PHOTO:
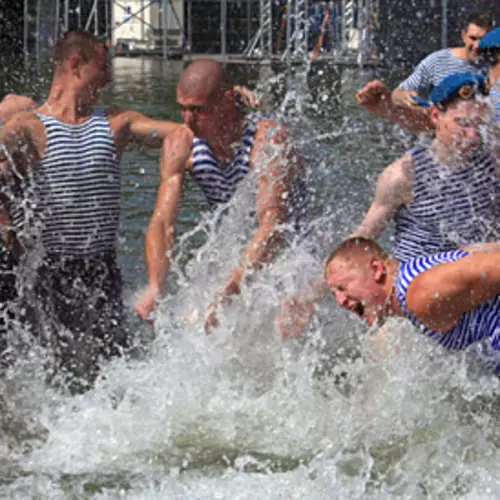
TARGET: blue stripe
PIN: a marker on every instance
(219, 184)
(77, 187)
(475, 325)
(451, 207)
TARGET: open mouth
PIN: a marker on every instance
(358, 309)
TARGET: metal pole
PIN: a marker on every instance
(106, 20)
(25, 33)
(190, 25)
(142, 20)
(223, 29)
(444, 24)
(79, 14)
(38, 8)
(289, 28)
(66, 15)
(56, 24)
(164, 22)
(96, 18)
(249, 20)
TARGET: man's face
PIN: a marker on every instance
(471, 38)
(357, 286)
(95, 75)
(458, 127)
(198, 113)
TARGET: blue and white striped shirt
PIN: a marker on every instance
(434, 68)
(219, 184)
(77, 188)
(482, 322)
(451, 206)
(495, 99)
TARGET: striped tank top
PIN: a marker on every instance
(480, 323)
(220, 183)
(495, 97)
(451, 207)
(77, 188)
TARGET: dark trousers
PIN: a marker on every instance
(8, 296)
(78, 312)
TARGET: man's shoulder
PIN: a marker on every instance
(271, 130)
(438, 57)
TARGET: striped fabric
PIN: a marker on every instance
(475, 325)
(434, 68)
(219, 184)
(77, 187)
(451, 206)
(495, 98)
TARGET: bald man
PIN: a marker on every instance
(452, 297)
(223, 147)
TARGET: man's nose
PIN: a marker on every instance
(472, 133)
(341, 298)
(188, 118)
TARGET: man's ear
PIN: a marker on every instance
(434, 115)
(74, 64)
(464, 33)
(378, 268)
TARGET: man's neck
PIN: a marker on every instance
(494, 74)
(223, 138)
(461, 53)
(63, 103)
(393, 306)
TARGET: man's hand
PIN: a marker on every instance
(296, 313)
(405, 98)
(249, 98)
(373, 95)
(147, 302)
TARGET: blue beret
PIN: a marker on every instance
(462, 85)
(491, 40)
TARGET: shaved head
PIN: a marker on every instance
(80, 43)
(356, 249)
(204, 79)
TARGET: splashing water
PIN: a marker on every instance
(338, 413)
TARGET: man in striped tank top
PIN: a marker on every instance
(441, 197)
(402, 105)
(226, 147)
(60, 184)
(452, 297)
(489, 49)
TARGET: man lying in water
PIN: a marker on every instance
(452, 297)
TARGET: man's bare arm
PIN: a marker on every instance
(133, 125)
(440, 296)
(376, 98)
(274, 184)
(394, 189)
(159, 239)
(12, 104)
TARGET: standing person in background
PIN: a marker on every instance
(401, 105)
(489, 50)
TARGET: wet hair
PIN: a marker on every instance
(354, 247)
(483, 19)
(72, 43)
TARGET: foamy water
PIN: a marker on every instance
(242, 414)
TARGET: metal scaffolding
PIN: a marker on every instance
(290, 30)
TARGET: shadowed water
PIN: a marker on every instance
(338, 413)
